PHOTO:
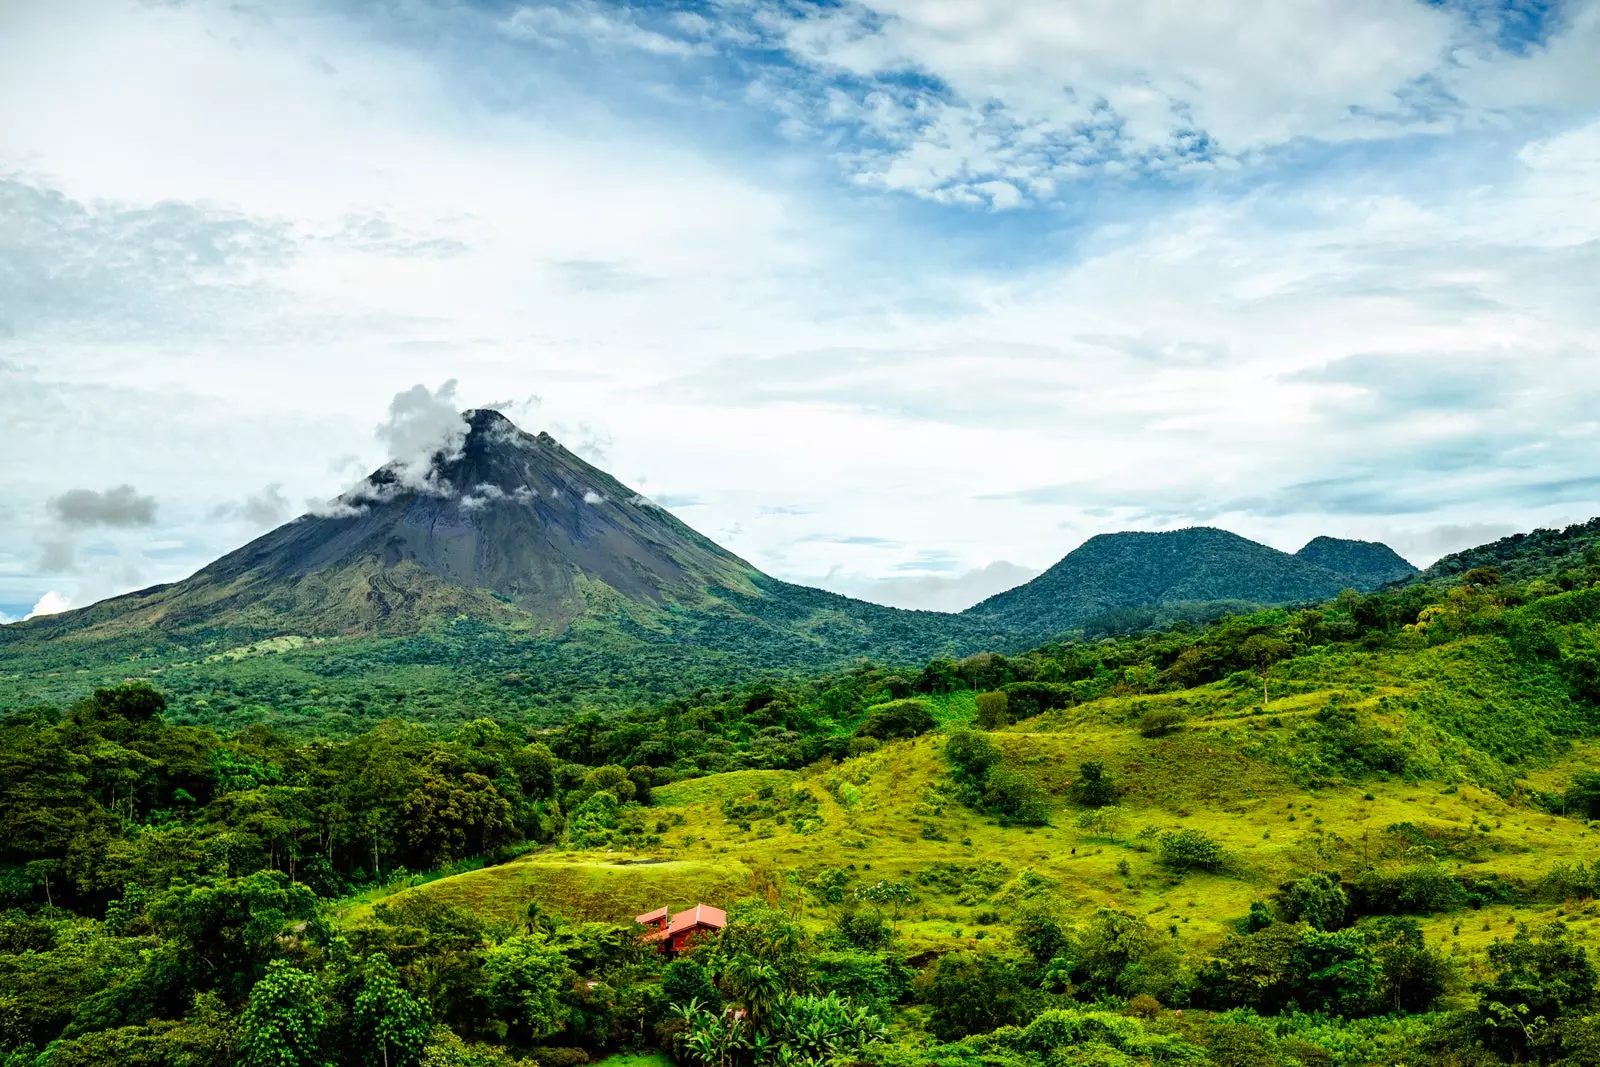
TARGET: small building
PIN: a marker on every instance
(678, 932)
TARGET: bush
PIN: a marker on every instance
(1027, 699)
(1315, 899)
(992, 711)
(1016, 796)
(862, 929)
(971, 993)
(1118, 954)
(1188, 850)
(1416, 890)
(1094, 787)
(1161, 721)
(971, 753)
(1583, 795)
(896, 719)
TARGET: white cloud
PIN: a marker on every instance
(961, 96)
(261, 510)
(423, 425)
(52, 603)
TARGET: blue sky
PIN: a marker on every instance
(905, 298)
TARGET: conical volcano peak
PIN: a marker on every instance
(488, 514)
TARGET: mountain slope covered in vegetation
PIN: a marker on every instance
(1130, 570)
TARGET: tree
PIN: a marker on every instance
(993, 711)
(1316, 899)
(894, 895)
(1414, 976)
(1583, 795)
(390, 1025)
(1264, 651)
(897, 719)
(1015, 795)
(1094, 787)
(971, 993)
(1188, 850)
(971, 753)
(525, 980)
(226, 931)
(1118, 954)
(751, 984)
(283, 1024)
(1536, 977)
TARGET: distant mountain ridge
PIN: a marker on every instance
(1110, 572)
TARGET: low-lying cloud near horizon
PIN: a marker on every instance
(875, 293)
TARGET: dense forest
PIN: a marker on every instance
(1151, 847)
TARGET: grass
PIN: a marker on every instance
(637, 1059)
(1218, 775)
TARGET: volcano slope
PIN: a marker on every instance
(511, 575)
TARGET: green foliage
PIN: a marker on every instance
(897, 719)
(1118, 954)
(283, 1023)
(1583, 795)
(1315, 899)
(389, 1025)
(1190, 850)
(972, 993)
(993, 711)
(1016, 796)
(1094, 787)
(1536, 977)
(971, 753)
(525, 978)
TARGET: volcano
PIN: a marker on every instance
(510, 529)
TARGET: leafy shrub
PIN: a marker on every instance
(1014, 795)
(971, 753)
(1159, 722)
(992, 711)
(1583, 795)
(1316, 899)
(973, 993)
(1188, 850)
(1415, 890)
(1094, 787)
(1118, 954)
(1027, 699)
(896, 719)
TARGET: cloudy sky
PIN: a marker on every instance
(901, 297)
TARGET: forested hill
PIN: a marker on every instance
(1127, 570)
(1523, 556)
(1368, 564)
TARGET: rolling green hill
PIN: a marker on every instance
(1111, 572)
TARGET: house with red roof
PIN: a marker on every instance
(678, 932)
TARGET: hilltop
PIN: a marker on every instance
(1197, 565)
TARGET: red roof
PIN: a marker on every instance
(651, 917)
(699, 915)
